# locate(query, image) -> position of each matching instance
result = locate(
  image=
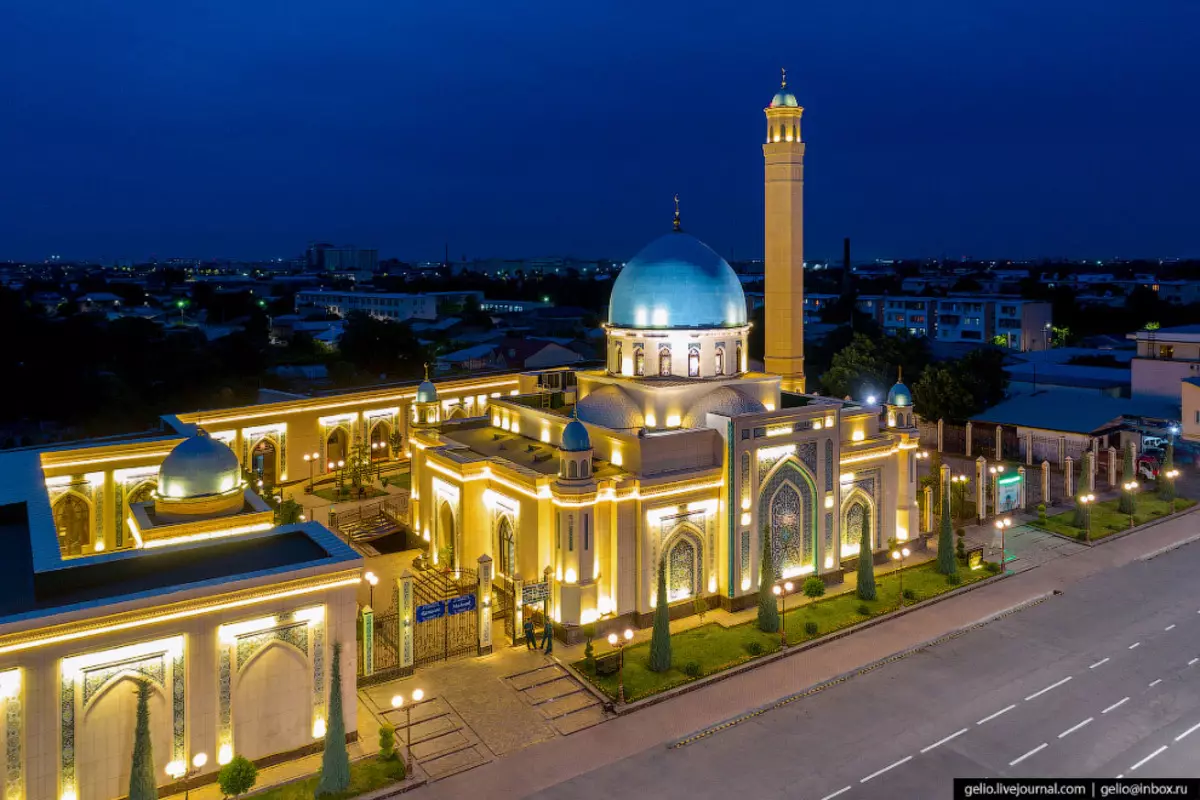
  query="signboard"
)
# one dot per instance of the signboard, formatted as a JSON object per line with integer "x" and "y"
{"x": 457, "y": 605}
{"x": 534, "y": 593}
{"x": 975, "y": 558}
{"x": 430, "y": 611}
{"x": 1008, "y": 491}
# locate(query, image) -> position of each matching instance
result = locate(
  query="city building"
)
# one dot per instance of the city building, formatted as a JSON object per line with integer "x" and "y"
{"x": 1021, "y": 325}
{"x": 324, "y": 257}
{"x": 1165, "y": 357}
{"x": 383, "y": 305}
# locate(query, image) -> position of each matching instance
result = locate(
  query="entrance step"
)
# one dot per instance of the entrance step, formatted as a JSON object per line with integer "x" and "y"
{"x": 579, "y": 720}
{"x": 454, "y": 762}
{"x": 430, "y": 728}
{"x": 567, "y": 704}
{"x": 442, "y": 744}
{"x": 535, "y": 677}
{"x": 552, "y": 690}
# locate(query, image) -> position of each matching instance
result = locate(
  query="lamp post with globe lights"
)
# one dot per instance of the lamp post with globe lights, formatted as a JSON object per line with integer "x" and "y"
{"x": 178, "y": 771}
{"x": 782, "y": 591}
{"x": 1086, "y": 500}
{"x": 1171, "y": 475}
{"x": 898, "y": 555}
{"x": 1003, "y": 525}
{"x": 1130, "y": 487}
{"x": 415, "y": 697}
{"x": 372, "y": 582}
{"x": 619, "y": 643}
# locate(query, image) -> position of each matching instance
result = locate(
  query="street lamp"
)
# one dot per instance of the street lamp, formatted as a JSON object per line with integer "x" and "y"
{"x": 619, "y": 643}
{"x": 372, "y": 580}
{"x": 1171, "y": 475}
{"x": 398, "y": 701}
{"x": 178, "y": 771}
{"x": 996, "y": 472}
{"x": 1086, "y": 501}
{"x": 1003, "y": 525}
{"x": 899, "y": 554}
{"x": 1130, "y": 487}
{"x": 311, "y": 460}
{"x": 782, "y": 592}
{"x": 961, "y": 482}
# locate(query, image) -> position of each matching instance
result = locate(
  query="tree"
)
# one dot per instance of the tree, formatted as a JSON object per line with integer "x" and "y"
{"x": 934, "y": 480}
{"x": 335, "y": 762}
{"x": 866, "y": 563}
{"x": 396, "y": 442}
{"x": 957, "y": 391}
{"x": 813, "y": 587}
{"x": 359, "y": 464}
{"x": 947, "y": 563}
{"x": 1127, "y": 474}
{"x": 660, "y": 640}
{"x": 237, "y": 777}
{"x": 768, "y": 613}
{"x": 289, "y": 512}
{"x": 1166, "y": 486}
{"x": 142, "y": 783}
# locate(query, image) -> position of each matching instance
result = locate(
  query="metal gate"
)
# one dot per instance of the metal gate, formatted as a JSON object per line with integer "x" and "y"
{"x": 502, "y": 607}
{"x": 446, "y": 618}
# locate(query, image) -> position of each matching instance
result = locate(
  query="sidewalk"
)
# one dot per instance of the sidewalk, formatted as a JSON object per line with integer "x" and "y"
{"x": 549, "y": 763}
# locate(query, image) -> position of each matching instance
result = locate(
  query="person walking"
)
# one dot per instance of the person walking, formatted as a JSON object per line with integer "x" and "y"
{"x": 530, "y": 636}
{"x": 548, "y": 636}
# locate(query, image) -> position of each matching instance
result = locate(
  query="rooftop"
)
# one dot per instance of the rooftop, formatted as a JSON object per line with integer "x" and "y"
{"x": 1073, "y": 413}
{"x": 528, "y": 454}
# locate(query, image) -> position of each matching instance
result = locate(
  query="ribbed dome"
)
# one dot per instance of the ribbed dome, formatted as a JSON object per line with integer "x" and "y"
{"x": 426, "y": 392}
{"x": 784, "y": 99}
{"x": 725, "y": 400}
{"x": 198, "y": 467}
{"x": 610, "y": 407}
{"x": 575, "y": 437}
{"x": 677, "y": 281}
{"x": 899, "y": 395}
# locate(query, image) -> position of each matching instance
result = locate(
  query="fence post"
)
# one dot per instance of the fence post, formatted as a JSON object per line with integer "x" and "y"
{"x": 1091, "y": 472}
{"x": 1045, "y": 482}
{"x": 404, "y": 622}
{"x": 1062, "y": 448}
{"x": 1069, "y": 477}
{"x": 1028, "y": 449}
{"x": 1112, "y": 467}
{"x": 367, "y": 620}
{"x": 1023, "y": 496}
{"x": 999, "y": 443}
{"x": 483, "y": 604}
{"x": 968, "y": 450}
{"x": 941, "y": 435}
{"x": 980, "y": 485}
{"x": 927, "y": 517}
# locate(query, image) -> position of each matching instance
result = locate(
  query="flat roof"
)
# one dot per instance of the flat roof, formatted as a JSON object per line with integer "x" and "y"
{"x": 1072, "y": 412}
{"x": 523, "y": 451}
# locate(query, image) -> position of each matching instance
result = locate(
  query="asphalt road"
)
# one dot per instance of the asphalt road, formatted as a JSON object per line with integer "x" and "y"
{"x": 1103, "y": 680}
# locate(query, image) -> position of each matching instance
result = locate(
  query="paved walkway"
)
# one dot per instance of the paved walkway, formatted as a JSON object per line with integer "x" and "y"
{"x": 551, "y": 762}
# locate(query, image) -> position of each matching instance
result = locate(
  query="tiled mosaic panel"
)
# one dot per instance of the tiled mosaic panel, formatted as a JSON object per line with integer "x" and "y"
{"x": 681, "y": 567}
{"x": 786, "y": 502}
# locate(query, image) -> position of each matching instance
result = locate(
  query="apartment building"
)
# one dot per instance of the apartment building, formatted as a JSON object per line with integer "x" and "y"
{"x": 1022, "y": 325}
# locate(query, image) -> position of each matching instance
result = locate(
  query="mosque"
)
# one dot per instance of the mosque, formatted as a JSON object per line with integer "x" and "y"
{"x": 153, "y": 557}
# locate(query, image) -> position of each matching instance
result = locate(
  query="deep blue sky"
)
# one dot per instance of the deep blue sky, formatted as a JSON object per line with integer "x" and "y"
{"x": 210, "y": 127}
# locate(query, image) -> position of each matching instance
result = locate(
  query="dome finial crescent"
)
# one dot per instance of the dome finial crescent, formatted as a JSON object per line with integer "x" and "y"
{"x": 678, "y": 225}
{"x": 426, "y": 370}
{"x": 783, "y": 82}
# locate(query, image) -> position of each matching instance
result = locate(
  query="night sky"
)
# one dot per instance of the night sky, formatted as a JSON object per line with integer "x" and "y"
{"x": 990, "y": 128}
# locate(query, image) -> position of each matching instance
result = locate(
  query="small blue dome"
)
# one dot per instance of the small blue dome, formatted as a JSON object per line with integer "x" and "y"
{"x": 426, "y": 392}
{"x": 677, "y": 281}
{"x": 575, "y": 437}
{"x": 899, "y": 395}
{"x": 784, "y": 99}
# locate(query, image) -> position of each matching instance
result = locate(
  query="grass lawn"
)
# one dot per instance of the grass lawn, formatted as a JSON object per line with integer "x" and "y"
{"x": 715, "y": 648}
{"x": 401, "y": 479}
{"x": 1107, "y": 519}
{"x": 330, "y": 493}
{"x": 366, "y": 775}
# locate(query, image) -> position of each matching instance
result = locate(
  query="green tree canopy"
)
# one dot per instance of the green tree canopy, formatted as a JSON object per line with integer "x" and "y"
{"x": 956, "y": 391}
{"x": 868, "y": 365}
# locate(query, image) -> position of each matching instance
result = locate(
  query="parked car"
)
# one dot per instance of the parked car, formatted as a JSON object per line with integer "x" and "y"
{"x": 1153, "y": 441}
{"x": 1148, "y": 467}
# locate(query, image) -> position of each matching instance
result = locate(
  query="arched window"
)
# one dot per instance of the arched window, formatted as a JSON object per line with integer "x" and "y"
{"x": 572, "y": 470}
{"x": 681, "y": 569}
{"x": 720, "y": 359}
{"x": 664, "y": 361}
{"x": 738, "y": 366}
{"x": 583, "y": 468}
{"x": 71, "y": 519}
{"x": 639, "y": 360}
{"x": 787, "y": 529}
{"x": 507, "y": 548}
{"x": 693, "y": 362}
{"x": 857, "y": 528}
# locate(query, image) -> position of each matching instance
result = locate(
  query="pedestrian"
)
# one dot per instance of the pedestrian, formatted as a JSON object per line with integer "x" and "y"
{"x": 548, "y": 636}
{"x": 530, "y": 636}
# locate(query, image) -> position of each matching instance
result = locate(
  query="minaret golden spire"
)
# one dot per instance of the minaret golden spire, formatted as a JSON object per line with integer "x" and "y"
{"x": 783, "y": 83}
{"x": 678, "y": 226}
{"x": 899, "y": 374}
{"x": 426, "y": 370}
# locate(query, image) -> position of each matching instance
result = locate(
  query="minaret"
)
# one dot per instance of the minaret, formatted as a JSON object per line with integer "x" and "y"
{"x": 783, "y": 154}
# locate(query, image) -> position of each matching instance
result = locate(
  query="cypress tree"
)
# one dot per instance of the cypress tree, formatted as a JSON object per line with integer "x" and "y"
{"x": 866, "y": 563}
{"x": 768, "y": 614}
{"x": 1127, "y": 474}
{"x": 947, "y": 563}
{"x": 935, "y": 479}
{"x": 335, "y": 762}
{"x": 660, "y": 640}
{"x": 1166, "y": 487}
{"x": 142, "y": 785}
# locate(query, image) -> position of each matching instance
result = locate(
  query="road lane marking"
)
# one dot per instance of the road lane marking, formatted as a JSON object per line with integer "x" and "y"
{"x": 835, "y": 794}
{"x": 1101, "y": 662}
{"x": 1071, "y": 730}
{"x": 998, "y": 713}
{"x": 1169, "y": 627}
{"x": 1037, "y": 749}
{"x": 1048, "y": 688}
{"x": 1189, "y": 730}
{"x": 1193, "y": 661}
{"x": 885, "y": 769}
{"x": 943, "y": 741}
{"x": 1117, "y": 704}
{"x": 1155, "y": 683}
{"x": 1135, "y": 644}
{"x": 1147, "y": 758}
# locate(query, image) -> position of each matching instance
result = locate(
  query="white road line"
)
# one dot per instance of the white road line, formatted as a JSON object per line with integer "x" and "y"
{"x": 1122, "y": 775}
{"x": 998, "y": 713}
{"x": 1037, "y": 749}
{"x": 1048, "y": 688}
{"x": 1189, "y": 730}
{"x": 1155, "y": 683}
{"x": 1147, "y": 758}
{"x": 943, "y": 741}
{"x": 885, "y": 769}
{"x": 1193, "y": 661}
{"x": 1169, "y": 627}
{"x": 1099, "y": 663}
{"x": 1117, "y": 704}
{"x": 835, "y": 794}
{"x": 1071, "y": 730}
{"x": 1135, "y": 644}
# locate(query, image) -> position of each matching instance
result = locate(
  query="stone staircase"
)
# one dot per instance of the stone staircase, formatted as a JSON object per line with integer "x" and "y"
{"x": 442, "y": 744}
{"x": 564, "y": 703}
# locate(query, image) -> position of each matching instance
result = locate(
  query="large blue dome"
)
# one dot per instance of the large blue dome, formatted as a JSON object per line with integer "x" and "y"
{"x": 677, "y": 281}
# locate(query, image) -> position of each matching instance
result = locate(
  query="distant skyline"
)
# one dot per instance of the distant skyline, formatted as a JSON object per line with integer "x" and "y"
{"x": 205, "y": 129}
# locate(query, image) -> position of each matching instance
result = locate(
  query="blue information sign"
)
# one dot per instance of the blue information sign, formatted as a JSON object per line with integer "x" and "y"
{"x": 465, "y": 602}
{"x": 430, "y": 611}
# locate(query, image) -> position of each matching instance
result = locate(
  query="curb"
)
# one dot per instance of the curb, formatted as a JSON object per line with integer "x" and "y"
{"x": 1127, "y": 532}
{"x": 755, "y": 663}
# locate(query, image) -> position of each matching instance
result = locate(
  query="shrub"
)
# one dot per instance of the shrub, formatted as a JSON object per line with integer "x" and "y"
{"x": 909, "y": 594}
{"x": 237, "y": 777}
{"x": 387, "y": 742}
{"x": 754, "y": 648}
{"x": 813, "y": 587}
{"x": 1041, "y": 509}
{"x": 692, "y": 669}
{"x": 589, "y": 652}
{"x": 992, "y": 567}
{"x": 863, "y": 609}
{"x": 960, "y": 550}
{"x": 811, "y": 628}
{"x": 954, "y": 580}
